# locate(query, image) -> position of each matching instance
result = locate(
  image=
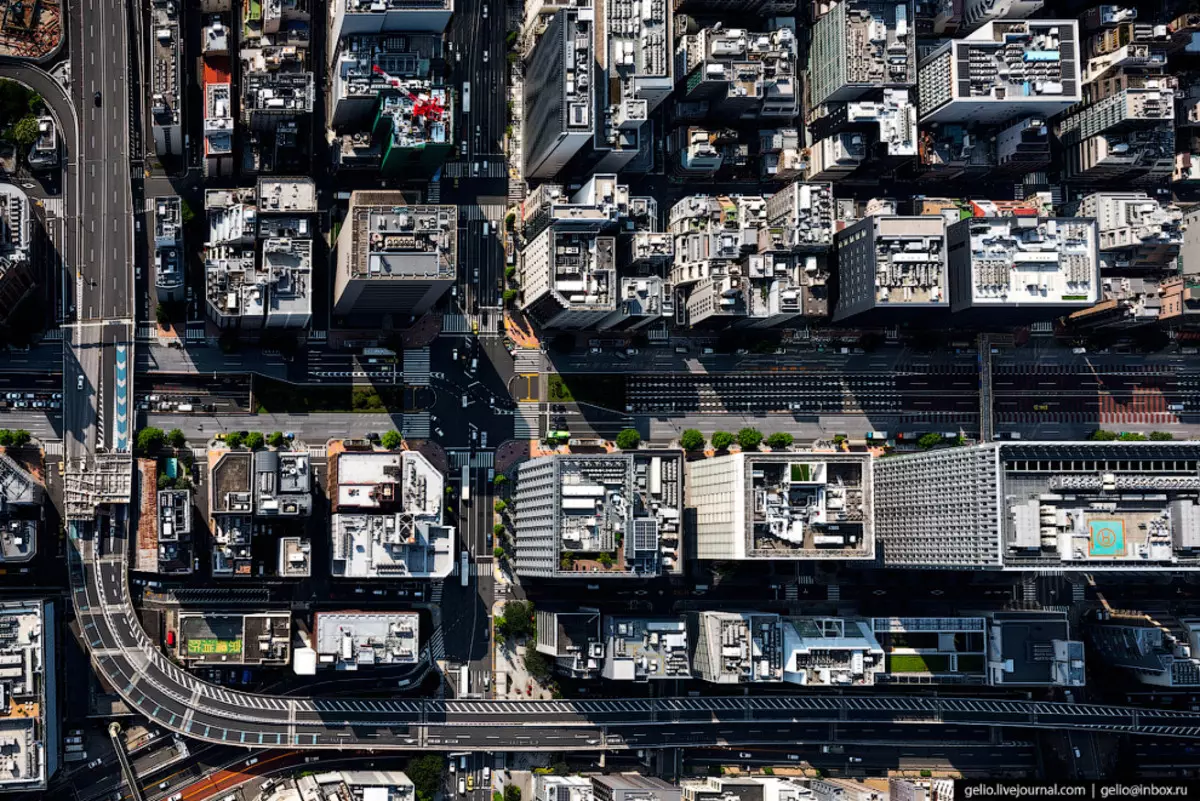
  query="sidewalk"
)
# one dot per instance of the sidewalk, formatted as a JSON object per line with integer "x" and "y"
{"x": 519, "y": 330}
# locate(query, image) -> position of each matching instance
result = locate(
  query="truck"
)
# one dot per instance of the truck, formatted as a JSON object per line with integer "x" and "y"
{"x": 832, "y": 749}
{"x": 184, "y": 407}
{"x": 464, "y": 680}
{"x": 466, "y": 97}
{"x": 466, "y": 483}
{"x": 464, "y": 571}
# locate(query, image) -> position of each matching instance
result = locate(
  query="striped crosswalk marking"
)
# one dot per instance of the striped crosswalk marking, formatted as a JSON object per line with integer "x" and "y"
{"x": 454, "y": 323}
{"x": 53, "y": 447}
{"x": 416, "y": 425}
{"x": 527, "y": 422}
{"x": 416, "y": 367}
{"x": 316, "y": 451}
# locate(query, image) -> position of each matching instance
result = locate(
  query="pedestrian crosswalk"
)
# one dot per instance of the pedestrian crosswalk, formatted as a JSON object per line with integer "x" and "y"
{"x": 199, "y": 453}
{"x": 53, "y": 207}
{"x": 437, "y": 641}
{"x": 416, "y": 367}
{"x": 195, "y": 333}
{"x": 465, "y": 169}
{"x": 460, "y": 457}
{"x": 53, "y": 447}
{"x": 434, "y": 195}
{"x": 316, "y": 451}
{"x": 527, "y": 422}
{"x": 416, "y": 426}
{"x": 490, "y": 212}
{"x": 454, "y": 323}
{"x": 527, "y": 360}
{"x": 833, "y": 592}
{"x": 54, "y": 335}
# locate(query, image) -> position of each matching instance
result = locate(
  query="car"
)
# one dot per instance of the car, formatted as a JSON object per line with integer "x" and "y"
{"x": 163, "y": 785}
{"x": 1078, "y": 351}
{"x": 79, "y": 383}
{"x": 485, "y": 11}
{"x": 487, "y": 772}
{"x": 854, "y": 759}
{"x": 452, "y": 766}
{"x": 462, "y": 786}
{"x": 470, "y": 782}
{"x": 1041, "y": 407}
{"x": 744, "y": 755}
{"x": 485, "y": 56}
{"x": 56, "y": 396}
{"x": 251, "y": 762}
{"x": 176, "y": 797}
{"x": 95, "y": 763}
{"x": 96, "y": 98}
{"x": 371, "y": 435}
{"x": 289, "y": 434}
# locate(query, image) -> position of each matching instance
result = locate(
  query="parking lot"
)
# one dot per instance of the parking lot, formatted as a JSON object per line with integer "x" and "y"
{"x": 32, "y": 400}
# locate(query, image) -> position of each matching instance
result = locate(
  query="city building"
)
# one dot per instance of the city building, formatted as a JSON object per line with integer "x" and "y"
{"x": 573, "y": 640}
{"x": 215, "y": 37}
{"x": 549, "y": 787}
{"x": 1032, "y": 649}
{"x": 43, "y": 153}
{"x": 800, "y": 217}
{"x": 1134, "y": 230}
{"x": 174, "y": 529}
{"x": 593, "y": 516}
{"x": 387, "y": 520}
{"x": 218, "y": 118}
{"x": 168, "y": 248}
{"x": 364, "y": 68}
{"x": 1016, "y": 268}
{"x": 738, "y": 74}
{"x": 830, "y": 652}
{"x": 645, "y": 648}
{"x": 1041, "y": 506}
{"x": 287, "y": 196}
{"x": 782, "y": 506}
{"x": 352, "y": 17}
{"x": 295, "y": 557}
{"x": 836, "y": 789}
{"x": 569, "y": 278}
{"x": 393, "y": 259}
{"x": 415, "y": 129}
{"x": 165, "y": 78}
{"x": 234, "y": 638}
{"x": 231, "y": 511}
{"x": 632, "y": 787}
{"x": 21, "y": 498}
{"x": 29, "y": 727}
{"x": 781, "y": 154}
{"x": 600, "y": 204}
{"x": 977, "y": 12}
{"x": 920, "y": 789}
{"x": 1005, "y": 70}
{"x": 892, "y": 268}
{"x": 252, "y": 292}
{"x": 353, "y": 640}
{"x": 559, "y": 94}
{"x": 736, "y": 647}
{"x": 694, "y": 153}
{"x": 17, "y": 277}
{"x": 1160, "y": 651}
{"x": 940, "y": 650}
{"x": 282, "y": 484}
{"x": 859, "y": 46}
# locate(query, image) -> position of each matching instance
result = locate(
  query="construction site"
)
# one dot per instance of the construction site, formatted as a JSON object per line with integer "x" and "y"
{"x": 30, "y": 28}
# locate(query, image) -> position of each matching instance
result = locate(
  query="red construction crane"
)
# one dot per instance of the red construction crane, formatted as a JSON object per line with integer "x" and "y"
{"x": 429, "y": 108}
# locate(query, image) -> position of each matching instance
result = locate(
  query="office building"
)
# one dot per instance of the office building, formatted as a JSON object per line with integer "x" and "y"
{"x": 694, "y": 152}
{"x": 231, "y": 511}
{"x": 215, "y": 37}
{"x": 364, "y": 68}
{"x": 559, "y": 100}
{"x": 30, "y": 727}
{"x": 393, "y": 259}
{"x": 573, "y": 640}
{"x": 645, "y": 648}
{"x": 1047, "y": 506}
{"x": 736, "y": 647}
{"x": 168, "y": 249}
{"x": 17, "y": 277}
{"x": 892, "y": 268}
{"x": 593, "y": 516}
{"x": 830, "y": 652}
{"x": 1005, "y": 70}
{"x": 295, "y": 557}
{"x": 21, "y": 498}
{"x": 569, "y": 278}
{"x": 632, "y": 787}
{"x": 387, "y": 520}
{"x": 354, "y": 17}
{"x": 1160, "y": 651}
{"x": 859, "y": 46}
{"x": 218, "y": 118}
{"x": 282, "y": 484}
{"x": 781, "y": 154}
{"x": 1023, "y": 146}
{"x": 1022, "y": 267}
{"x": 937, "y": 650}
{"x": 712, "y": 234}
{"x": 978, "y": 12}
{"x": 800, "y": 217}
{"x": 847, "y": 790}
{"x": 740, "y": 74}
{"x": 287, "y": 196}
{"x": 173, "y": 521}
{"x": 354, "y": 640}
{"x": 548, "y": 787}
{"x": 415, "y": 128}
{"x": 165, "y": 84}
{"x": 43, "y": 153}
{"x": 598, "y": 205}
{"x": 1134, "y": 230}
{"x": 233, "y": 638}
{"x": 921, "y": 789}
{"x": 1033, "y": 649}
{"x": 775, "y": 506}
{"x": 251, "y": 295}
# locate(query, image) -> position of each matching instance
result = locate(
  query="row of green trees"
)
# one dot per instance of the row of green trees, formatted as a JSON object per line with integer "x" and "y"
{"x": 1130, "y": 436}
{"x": 14, "y": 439}
{"x": 747, "y": 438}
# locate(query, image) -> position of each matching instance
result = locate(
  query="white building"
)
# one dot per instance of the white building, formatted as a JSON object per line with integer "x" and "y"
{"x": 29, "y": 694}
{"x": 354, "y": 640}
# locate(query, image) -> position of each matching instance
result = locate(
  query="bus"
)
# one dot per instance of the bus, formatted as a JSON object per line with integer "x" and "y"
{"x": 466, "y": 483}
{"x": 464, "y": 568}
{"x": 466, "y": 98}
